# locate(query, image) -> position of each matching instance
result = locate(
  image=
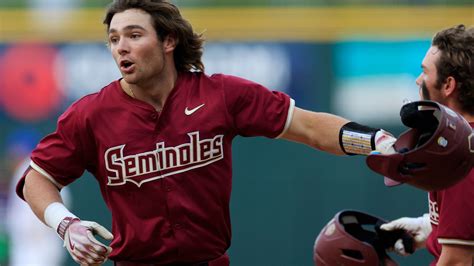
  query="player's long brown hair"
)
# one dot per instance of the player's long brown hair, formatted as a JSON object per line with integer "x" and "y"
{"x": 457, "y": 60}
{"x": 167, "y": 20}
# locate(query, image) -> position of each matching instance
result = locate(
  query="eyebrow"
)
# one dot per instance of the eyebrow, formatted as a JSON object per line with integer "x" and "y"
{"x": 128, "y": 28}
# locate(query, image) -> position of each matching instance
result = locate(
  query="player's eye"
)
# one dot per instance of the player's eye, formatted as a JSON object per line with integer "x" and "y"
{"x": 113, "y": 40}
{"x": 135, "y": 36}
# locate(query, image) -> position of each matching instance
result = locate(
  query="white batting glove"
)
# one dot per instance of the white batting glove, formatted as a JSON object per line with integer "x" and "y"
{"x": 81, "y": 244}
{"x": 419, "y": 228}
{"x": 384, "y": 142}
{"x": 78, "y": 236}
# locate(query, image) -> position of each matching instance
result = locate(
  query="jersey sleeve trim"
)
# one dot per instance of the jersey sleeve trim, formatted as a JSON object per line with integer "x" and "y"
{"x": 291, "y": 108}
{"x": 456, "y": 241}
{"x": 45, "y": 174}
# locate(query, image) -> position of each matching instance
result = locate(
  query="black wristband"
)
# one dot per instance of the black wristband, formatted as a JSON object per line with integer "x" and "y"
{"x": 355, "y": 138}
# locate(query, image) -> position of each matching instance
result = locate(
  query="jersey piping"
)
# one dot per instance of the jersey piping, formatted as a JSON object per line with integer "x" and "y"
{"x": 45, "y": 174}
{"x": 456, "y": 241}
{"x": 291, "y": 108}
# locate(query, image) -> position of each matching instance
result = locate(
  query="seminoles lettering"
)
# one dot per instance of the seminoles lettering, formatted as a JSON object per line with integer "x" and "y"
{"x": 163, "y": 161}
{"x": 434, "y": 211}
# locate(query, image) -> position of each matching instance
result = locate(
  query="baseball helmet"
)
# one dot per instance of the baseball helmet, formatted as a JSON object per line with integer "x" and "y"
{"x": 353, "y": 238}
{"x": 435, "y": 153}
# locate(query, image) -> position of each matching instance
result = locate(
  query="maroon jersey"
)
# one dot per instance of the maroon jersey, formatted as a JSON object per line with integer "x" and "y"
{"x": 165, "y": 176}
{"x": 451, "y": 215}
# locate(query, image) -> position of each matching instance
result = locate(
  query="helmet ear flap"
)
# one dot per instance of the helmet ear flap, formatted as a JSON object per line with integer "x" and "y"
{"x": 420, "y": 117}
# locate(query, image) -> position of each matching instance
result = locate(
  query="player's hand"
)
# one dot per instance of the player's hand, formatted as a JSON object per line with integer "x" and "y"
{"x": 384, "y": 142}
{"x": 81, "y": 244}
{"x": 419, "y": 228}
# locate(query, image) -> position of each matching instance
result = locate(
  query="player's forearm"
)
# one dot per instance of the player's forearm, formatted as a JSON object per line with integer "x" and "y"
{"x": 336, "y": 135}
{"x": 78, "y": 236}
{"x": 39, "y": 192}
{"x": 325, "y": 132}
{"x": 318, "y": 130}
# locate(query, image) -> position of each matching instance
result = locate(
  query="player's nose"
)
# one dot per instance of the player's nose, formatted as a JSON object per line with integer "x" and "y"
{"x": 418, "y": 80}
{"x": 122, "y": 46}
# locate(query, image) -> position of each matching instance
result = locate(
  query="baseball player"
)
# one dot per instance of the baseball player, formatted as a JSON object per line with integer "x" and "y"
{"x": 158, "y": 141}
{"x": 448, "y": 78}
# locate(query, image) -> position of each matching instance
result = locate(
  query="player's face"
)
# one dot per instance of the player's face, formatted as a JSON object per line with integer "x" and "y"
{"x": 429, "y": 88}
{"x": 136, "y": 49}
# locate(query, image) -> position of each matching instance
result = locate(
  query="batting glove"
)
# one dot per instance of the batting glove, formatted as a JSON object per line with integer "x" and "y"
{"x": 80, "y": 242}
{"x": 419, "y": 228}
{"x": 384, "y": 142}
{"x": 78, "y": 236}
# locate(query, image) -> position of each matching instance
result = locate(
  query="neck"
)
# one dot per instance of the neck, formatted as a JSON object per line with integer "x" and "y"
{"x": 455, "y": 106}
{"x": 154, "y": 91}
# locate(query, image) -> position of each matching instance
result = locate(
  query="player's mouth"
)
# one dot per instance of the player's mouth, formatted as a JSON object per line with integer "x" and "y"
{"x": 127, "y": 66}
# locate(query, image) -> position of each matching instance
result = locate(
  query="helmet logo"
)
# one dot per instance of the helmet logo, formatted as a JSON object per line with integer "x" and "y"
{"x": 451, "y": 125}
{"x": 330, "y": 229}
{"x": 442, "y": 142}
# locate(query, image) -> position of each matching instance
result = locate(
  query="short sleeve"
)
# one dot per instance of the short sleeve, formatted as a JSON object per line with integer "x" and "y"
{"x": 60, "y": 156}
{"x": 255, "y": 110}
{"x": 456, "y": 221}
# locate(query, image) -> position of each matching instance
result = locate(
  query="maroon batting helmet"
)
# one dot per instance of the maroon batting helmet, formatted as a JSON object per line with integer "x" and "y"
{"x": 351, "y": 239}
{"x": 435, "y": 153}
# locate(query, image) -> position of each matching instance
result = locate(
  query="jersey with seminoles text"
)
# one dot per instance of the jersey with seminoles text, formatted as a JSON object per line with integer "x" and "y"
{"x": 452, "y": 216}
{"x": 165, "y": 176}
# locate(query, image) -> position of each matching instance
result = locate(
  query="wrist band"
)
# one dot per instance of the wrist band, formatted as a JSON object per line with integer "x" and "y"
{"x": 55, "y": 213}
{"x": 357, "y": 139}
{"x": 64, "y": 224}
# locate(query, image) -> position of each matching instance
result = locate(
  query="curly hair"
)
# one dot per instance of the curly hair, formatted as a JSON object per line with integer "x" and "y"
{"x": 457, "y": 60}
{"x": 167, "y": 20}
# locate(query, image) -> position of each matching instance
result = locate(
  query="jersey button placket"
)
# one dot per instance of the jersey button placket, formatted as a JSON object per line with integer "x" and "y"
{"x": 154, "y": 117}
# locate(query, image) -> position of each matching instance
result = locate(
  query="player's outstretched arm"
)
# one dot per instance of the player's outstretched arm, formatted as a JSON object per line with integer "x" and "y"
{"x": 419, "y": 228}
{"x": 78, "y": 236}
{"x": 337, "y": 135}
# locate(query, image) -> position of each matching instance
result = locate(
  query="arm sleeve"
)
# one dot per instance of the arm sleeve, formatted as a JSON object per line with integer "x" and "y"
{"x": 255, "y": 110}
{"x": 60, "y": 156}
{"x": 456, "y": 221}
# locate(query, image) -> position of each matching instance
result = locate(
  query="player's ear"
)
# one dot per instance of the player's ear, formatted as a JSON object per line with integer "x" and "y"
{"x": 170, "y": 42}
{"x": 449, "y": 86}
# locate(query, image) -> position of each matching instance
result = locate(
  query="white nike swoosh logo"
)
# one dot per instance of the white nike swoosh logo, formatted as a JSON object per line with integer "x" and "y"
{"x": 190, "y": 112}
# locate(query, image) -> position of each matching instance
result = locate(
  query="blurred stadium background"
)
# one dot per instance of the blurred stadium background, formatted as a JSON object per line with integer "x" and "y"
{"x": 354, "y": 58}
